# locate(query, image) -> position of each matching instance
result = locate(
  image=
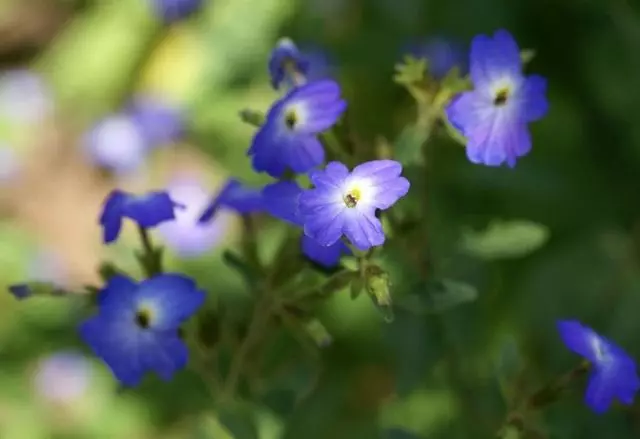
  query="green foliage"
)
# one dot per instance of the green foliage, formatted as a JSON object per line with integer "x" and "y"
{"x": 505, "y": 239}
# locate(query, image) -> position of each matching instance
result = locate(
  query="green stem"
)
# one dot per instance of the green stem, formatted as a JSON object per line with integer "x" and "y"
{"x": 250, "y": 244}
{"x": 150, "y": 259}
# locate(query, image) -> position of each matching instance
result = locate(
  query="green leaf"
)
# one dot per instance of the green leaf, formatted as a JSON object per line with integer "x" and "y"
{"x": 508, "y": 369}
{"x": 407, "y": 148}
{"x": 411, "y": 71}
{"x": 241, "y": 266}
{"x": 397, "y": 433}
{"x": 454, "y": 83}
{"x": 239, "y": 420}
{"x": 356, "y": 288}
{"x": 505, "y": 239}
{"x": 436, "y": 296}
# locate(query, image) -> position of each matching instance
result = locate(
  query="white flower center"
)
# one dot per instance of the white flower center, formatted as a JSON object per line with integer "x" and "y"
{"x": 356, "y": 193}
{"x": 293, "y": 116}
{"x": 502, "y": 91}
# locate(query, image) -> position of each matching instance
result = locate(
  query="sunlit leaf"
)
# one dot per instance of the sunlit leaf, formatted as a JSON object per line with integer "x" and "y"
{"x": 505, "y": 239}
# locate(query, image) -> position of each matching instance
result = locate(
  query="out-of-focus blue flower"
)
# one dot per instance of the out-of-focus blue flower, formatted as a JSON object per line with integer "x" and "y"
{"x": 136, "y": 328}
{"x": 147, "y": 211}
{"x": 24, "y": 97}
{"x": 614, "y": 374}
{"x": 288, "y": 138}
{"x": 185, "y": 234}
{"x": 63, "y": 378}
{"x": 494, "y": 116}
{"x": 345, "y": 203}
{"x": 442, "y": 55}
{"x": 116, "y": 143}
{"x": 171, "y": 11}
{"x": 281, "y": 200}
{"x": 286, "y": 63}
{"x": 9, "y": 164}
{"x": 21, "y": 291}
{"x": 233, "y": 196}
{"x": 159, "y": 122}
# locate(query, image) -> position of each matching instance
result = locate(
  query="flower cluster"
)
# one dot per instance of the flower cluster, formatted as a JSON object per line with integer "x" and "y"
{"x": 138, "y": 324}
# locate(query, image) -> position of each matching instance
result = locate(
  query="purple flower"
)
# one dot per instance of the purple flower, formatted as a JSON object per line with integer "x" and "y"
{"x": 147, "y": 211}
{"x": 136, "y": 328}
{"x": 158, "y": 122}
{"x": 24, "y": 97}
{"x": 614, "y": 373}
{"x": 185, "y": 235}
{"x": 234, "y": 196}
{"x": 442, "y": 56}
{"x": 285, "y": 63}
{"x": 117, "y": 144}
{"x": 494, "y": 116}
{"x": 345, "y": 203}
{"x": 171, "y": 11}
{"x": 281, "y": 200}
{"x": 63, "y": 377}
{"x": 288, "y": 138}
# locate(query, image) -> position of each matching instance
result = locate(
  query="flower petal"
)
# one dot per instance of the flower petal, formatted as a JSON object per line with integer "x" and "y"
{"x": 363, "y": 229}
{"x": 174, "y": 298}
{"x": 534, "y": 104}
{"x": 281, "y": 201}
{"x": 327, "y": 256}
{"x": 493, "y": 58}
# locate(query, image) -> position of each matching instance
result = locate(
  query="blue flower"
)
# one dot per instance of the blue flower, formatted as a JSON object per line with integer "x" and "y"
{"x": 286, "y": 62}
{"x": 234, "y": 196}
{"x": 136, "y": 328}
{"x": 281, "y": 200}
{"x": 494, "y": 116}
{"x": 171, "y": 11}
{"x": 159, "y": 122}
{"x": 147, "y": 211}
{"x": 288, "y": 138}
{"x": 614, "y": 373}
{"x": 116, "y": 143}
{"x": 345, "y": 203}
{"x": 21, "y": 291}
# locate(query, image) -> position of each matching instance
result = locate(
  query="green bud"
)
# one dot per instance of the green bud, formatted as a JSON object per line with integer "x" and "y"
{"x": 252, "y": 117}
{"x": 318, "y": 333}
{"x": 378, "y": 285}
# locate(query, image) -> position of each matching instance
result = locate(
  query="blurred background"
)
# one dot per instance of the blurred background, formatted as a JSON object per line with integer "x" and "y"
{"x": 97, "y": 94}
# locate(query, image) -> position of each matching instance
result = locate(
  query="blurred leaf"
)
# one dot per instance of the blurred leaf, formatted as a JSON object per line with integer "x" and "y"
{"x": 240, "y": 420}
{"x": 232, "y": 260}
{"x": 318, "y": 333}
{"x": 436, "y": 296}
{"x": 505, "y": 239}
{"x": 452, "y": 84}
{"x": 508, "y": 369}
{"x": 397, "y": 433}
{"x": 356, "y": 288}
{"x": 407, "y": 148}
{"x": 527, "y": 55}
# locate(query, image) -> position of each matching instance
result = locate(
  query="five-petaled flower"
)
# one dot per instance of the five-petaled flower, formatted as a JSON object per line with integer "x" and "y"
{"x": 287, "y": 64}
{"x": 494, "y": 116}
{"x": 288, "y": 138}
{"x": 147, "y": 211}
{"x": 281, "y": 201}
{"x": 614, "y": 373}
{"x": 137, "y": 326}
{"x": 345, "y": 203}
{"x": 234, "y": 196}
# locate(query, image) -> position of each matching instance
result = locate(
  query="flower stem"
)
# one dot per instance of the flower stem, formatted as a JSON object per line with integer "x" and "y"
{"x": 151, "y": 257}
